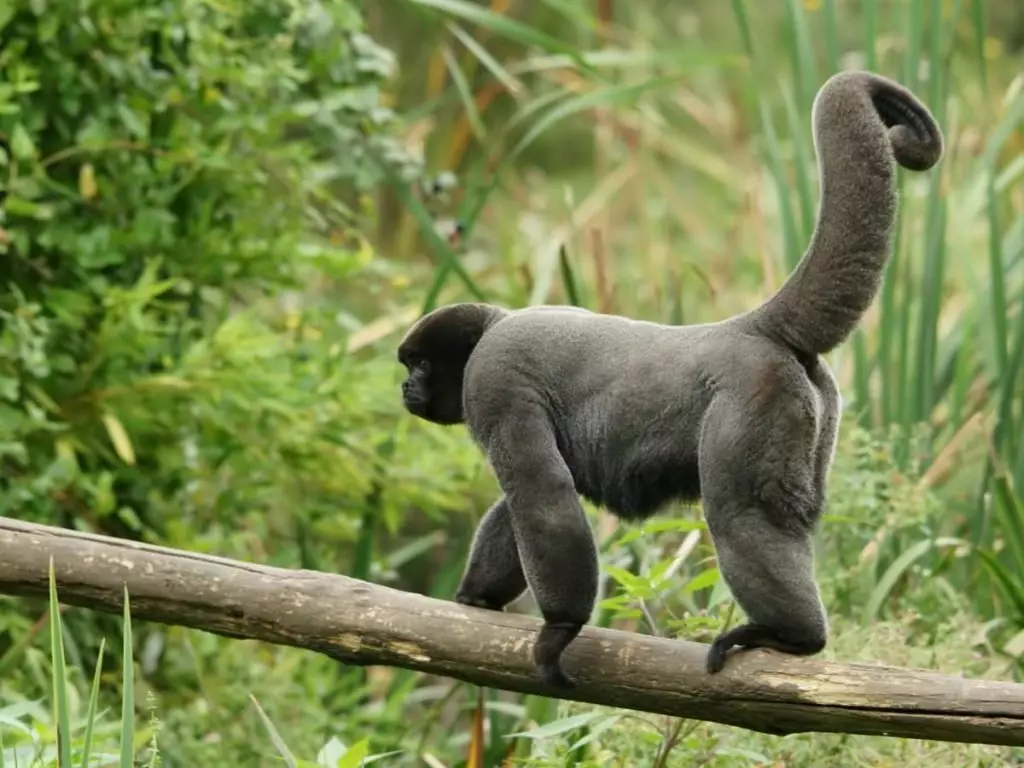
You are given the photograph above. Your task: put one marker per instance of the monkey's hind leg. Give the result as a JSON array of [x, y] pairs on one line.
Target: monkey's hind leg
[[770, 572], [494, 576], [758, 481]]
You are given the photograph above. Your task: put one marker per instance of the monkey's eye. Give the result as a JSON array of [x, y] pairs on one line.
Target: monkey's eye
[[415, 364], [407, 359]]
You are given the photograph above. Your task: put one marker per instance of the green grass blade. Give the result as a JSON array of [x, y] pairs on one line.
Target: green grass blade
[[931, 299], [791, 249], [59, 676], [14, 654], [905, 381], [644, 60], [898, 568], [1010, 511], [94, 697], [1012, 587], [275, 736], [362, 560], [871, 33], [600, 97], [889, 323], [950, 35], [979, 23], [470, 210], [831, 36], [128, 690], [935, 57], [862, 380], [573, 11], [801, 54], [449, 260], [997, 285], [505, 26], [568, 278], [502, 75], [805, 197], [465, 94], [1005, 128], [964, 372], [739, 10], [912, 35], [1005, 436]]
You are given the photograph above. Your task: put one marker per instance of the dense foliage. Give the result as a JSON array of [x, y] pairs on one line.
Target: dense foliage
[[216, 217]]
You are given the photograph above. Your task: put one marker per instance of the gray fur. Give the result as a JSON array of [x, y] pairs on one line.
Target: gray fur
[[631, 415]]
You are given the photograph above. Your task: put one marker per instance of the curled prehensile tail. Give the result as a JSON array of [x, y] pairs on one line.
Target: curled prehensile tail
[[862, 123]]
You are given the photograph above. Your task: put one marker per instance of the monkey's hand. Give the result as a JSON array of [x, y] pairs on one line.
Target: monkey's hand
[[716, 655], [551, 641]]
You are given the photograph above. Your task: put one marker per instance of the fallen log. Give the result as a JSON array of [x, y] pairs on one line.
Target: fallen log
[[356, 622]]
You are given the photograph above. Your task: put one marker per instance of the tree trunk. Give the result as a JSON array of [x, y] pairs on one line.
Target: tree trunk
[[360, 623]]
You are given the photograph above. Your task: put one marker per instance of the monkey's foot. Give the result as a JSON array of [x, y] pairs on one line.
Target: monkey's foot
[[553, 675], [761, 636]]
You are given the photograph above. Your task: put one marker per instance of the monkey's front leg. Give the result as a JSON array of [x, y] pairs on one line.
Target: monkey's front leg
[[556, 547], [560, 561], [493, 577]]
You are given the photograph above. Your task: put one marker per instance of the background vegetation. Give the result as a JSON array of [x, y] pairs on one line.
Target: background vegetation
[[218, 217]]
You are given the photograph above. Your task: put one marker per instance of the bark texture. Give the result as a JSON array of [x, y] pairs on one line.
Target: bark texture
[[357, 622]]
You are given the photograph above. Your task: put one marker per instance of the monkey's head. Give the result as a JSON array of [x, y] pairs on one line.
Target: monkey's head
[[435, 352]]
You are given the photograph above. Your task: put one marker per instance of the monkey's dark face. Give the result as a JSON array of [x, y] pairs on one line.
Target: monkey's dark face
[[433, 388], [435, 352]]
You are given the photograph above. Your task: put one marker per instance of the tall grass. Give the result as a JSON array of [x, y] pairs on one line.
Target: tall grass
[[919, 361], [679, 180], [942, 346]]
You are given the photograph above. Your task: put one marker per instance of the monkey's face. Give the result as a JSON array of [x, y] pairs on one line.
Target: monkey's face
[[433, 389], [435, 352]]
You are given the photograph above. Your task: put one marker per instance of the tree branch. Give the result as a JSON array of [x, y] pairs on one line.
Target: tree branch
[[360, 623]]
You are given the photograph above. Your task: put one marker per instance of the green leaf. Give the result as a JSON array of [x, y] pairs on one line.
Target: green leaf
[[119, 437], [275, 736], [26, 209], [624, 577], [898, 568], [22, 146], [131, 120], [596, 730], [59, 674], [355, 755], [674, 524], [501, 25], [512, 85], [600, 97], [558, 726], [330, 753], [8, 388], [127, 759], [703, 580], [94, 694], [7, 10]]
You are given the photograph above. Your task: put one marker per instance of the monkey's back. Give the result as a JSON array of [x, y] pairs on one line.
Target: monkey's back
[[617, 393]]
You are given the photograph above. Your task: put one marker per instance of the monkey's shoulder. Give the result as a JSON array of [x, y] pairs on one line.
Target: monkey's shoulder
[[537, 336]]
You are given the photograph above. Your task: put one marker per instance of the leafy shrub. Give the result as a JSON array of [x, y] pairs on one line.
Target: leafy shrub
[[167, 166]]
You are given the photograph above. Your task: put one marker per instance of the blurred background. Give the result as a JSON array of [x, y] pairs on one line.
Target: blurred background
[[218, 218]]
